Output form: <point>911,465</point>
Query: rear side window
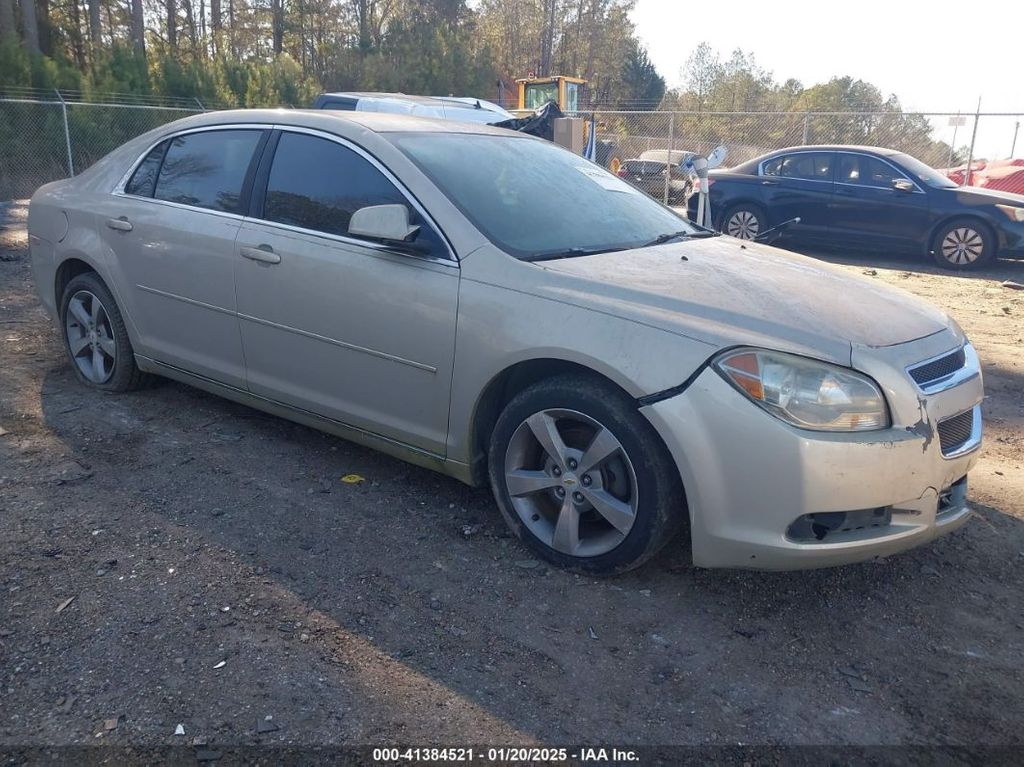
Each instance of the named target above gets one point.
<point>143,180</point>
<point>811,166</point>
<point>207,169</point>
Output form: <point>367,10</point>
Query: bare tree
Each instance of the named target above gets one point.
<point>547,40</point>
<point>277,24</point>
<point>75,34</point>
<point>7,19</point>
<point>44,26</point>
<point>95,30</point>
<point>190,24</point>
<point>138,28</point>
<point>29,27</point>
<point>172,23</point>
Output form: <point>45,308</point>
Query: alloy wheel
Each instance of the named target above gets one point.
<point>962,245</point>
<point>90,337</point>
<point>743,225</point>
<point>571,482</point>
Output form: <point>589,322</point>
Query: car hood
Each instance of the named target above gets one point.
<point>981,196</point>
<point>726,293</point>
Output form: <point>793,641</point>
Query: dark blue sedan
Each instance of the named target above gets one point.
<point>866,197</point>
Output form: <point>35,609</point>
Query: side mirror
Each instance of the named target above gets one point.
<point>383,222</point>
<point>903,185</point>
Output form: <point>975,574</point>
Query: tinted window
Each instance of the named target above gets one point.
<point>318,184</point>
<point>345,105</point>
<point>207,169</point>
<point>532,198</point>
<point>813,166</point>
<point>928,175</point>
<point>144,178</point>
<point>867,171</point>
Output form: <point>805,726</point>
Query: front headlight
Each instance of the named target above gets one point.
<point>1013,212</point>
<point>805,392</point>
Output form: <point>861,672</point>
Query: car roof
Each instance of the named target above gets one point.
<point>333,120</point>
<point>748,165</point>
<point>834,148</point>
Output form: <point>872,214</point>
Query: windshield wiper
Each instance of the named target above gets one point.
<point>568,253</point>
<point>661,239</point>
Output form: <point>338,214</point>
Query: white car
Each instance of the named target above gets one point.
<point>442,107</point>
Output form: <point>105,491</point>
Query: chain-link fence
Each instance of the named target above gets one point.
<point>43,139</point>
<point>942,140</point>
<point>50,135</point>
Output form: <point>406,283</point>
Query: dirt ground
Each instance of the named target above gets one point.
<point>170,558</point>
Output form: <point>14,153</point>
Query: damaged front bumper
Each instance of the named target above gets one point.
<point>765,495</point>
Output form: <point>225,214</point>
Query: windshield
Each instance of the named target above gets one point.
<point>539,94</point>
<point>530,197</point>
<point>922,172</point>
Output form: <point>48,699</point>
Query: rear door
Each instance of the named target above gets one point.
<point>172,230</point>
<point>868,208</point>
<point>354,330</point>
<point>799,185</point>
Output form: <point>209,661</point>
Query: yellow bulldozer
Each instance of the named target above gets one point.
<point>567,93</point>
<point>535,92</point>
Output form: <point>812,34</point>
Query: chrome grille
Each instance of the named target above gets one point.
<point>938,368</point>
<point>956,431</point>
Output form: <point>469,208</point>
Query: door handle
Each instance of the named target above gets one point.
<point>120,224</point>
<point>769,183</point>
<point>262,253</point>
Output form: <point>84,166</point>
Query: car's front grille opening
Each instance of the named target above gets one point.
<point>819,526</point>
<point>956,432</point>
<point>953,497</point>
<point>939,368</point>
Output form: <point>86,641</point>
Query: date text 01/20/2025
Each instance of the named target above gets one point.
<point>503,754</point>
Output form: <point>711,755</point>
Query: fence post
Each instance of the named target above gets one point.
<point>807,127</point>
<point>200,103</point>
<point>67,133</point>
<point>668,154</point>
<point>974,135</point>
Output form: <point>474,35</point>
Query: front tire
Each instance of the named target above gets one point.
<point>95,336</point>
<point>963,244</point>
<point>744,222</point>
<point>582,478</point>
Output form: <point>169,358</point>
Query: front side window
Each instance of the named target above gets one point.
<point>867,171</point>
<point>143,180</point>
<point>809,166</point>
<point>531,198</point>
<point>924,173</point>
<point>207,169</point>
<point>317,184</point>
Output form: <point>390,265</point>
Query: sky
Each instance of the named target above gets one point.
<point>918,50</point>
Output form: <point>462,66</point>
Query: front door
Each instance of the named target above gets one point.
<point>343,327</point>
<point>867,206</point>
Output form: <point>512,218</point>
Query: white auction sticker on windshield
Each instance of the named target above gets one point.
<point>605,180</point>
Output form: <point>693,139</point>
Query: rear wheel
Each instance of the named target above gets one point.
<point>95,336</point>
<point>582,479</point>
<point>963,244</point>
<point>744,222</point>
